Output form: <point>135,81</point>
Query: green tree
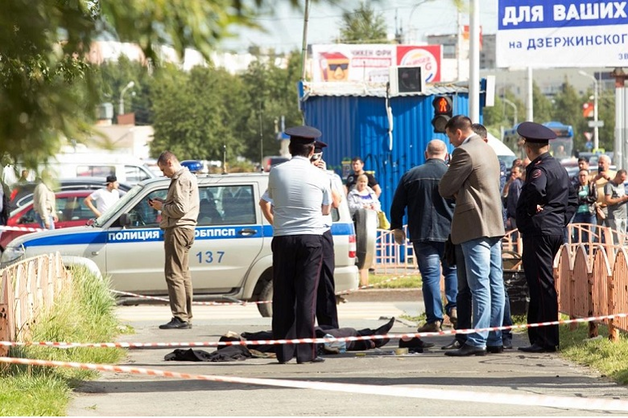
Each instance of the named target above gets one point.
<point>542,106</point>
<point>47,91</point>
<point>363,26</point>
<point>196,113</point>
<point>567,109</point>
<point>271,94</point>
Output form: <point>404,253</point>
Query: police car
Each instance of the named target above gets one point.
<point>231,256</point>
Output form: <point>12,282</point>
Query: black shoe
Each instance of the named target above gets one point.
<point>314,360</point>
<point>415,345</point>
<point>466,351</point>
<point>176,323</point>
<point>494,349</point>
<point>455,344</point>
<point>385,329</point>
<point>508,344</point>
<point>535,348</point>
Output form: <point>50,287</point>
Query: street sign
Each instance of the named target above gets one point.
<point>561,33</point>
<point>596,124</point>
<point>588,145</point>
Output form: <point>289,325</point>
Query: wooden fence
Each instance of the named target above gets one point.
<point>28,288</point>
<point>590,271</point>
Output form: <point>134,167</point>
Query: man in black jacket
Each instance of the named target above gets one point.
<point>429,225</point>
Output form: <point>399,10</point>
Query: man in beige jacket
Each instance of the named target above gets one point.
<point>44,202</point>
<point>477,226</point>
<point>179,212</point>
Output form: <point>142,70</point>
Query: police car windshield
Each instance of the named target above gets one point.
<point>112,211</point>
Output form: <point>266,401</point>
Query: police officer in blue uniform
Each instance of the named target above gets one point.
<point>301,195</point>
<point>545,207</point>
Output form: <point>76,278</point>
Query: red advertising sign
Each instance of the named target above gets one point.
<point>429,57</point>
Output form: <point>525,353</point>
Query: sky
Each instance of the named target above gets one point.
<point>285,28</point>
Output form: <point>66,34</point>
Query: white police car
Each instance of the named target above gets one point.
<point>231,256</point>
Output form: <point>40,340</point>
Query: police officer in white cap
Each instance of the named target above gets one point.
<point>301,195</point>
<point>547,203</point>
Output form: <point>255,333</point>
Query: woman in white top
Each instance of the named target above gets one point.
<point>362,196</point>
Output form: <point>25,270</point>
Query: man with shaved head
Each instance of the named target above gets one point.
<point>429,225</point>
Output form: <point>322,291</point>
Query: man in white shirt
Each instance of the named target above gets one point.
<point>104,198</point>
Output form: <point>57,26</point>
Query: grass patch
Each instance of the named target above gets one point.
<point>406,282</point>
<point>609,358</point>
<point>83,313</point>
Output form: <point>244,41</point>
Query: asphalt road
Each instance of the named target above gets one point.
<point>372,383</point>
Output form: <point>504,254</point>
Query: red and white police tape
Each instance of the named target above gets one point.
<point>19,228</point>
<point>258,302</point>
<point>397,391</point>
<point>302,340</point>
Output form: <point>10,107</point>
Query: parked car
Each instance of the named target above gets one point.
<point>271,161</point>
<point>71,211</point>
<point>231,256</point>
<point>23,194</point>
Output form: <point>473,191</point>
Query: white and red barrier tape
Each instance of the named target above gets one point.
<point>19,228</point>
<point>302,340</point>
<point>258,302</point>
<point>397,391</point>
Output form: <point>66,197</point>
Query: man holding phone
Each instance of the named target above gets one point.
<point>179,212</point>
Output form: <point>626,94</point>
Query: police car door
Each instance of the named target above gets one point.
<point>135,252</point>
<point>228,237</point>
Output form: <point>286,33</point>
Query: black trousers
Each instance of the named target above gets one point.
<point>297,263</point>
<point>326,310</point>
<point>538,257</point>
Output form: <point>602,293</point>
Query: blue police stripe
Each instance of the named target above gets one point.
<point>155,234</point>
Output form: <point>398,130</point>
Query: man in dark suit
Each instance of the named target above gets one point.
<point>547,203</point>
<point>477,226</point>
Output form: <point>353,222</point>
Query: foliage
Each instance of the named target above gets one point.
<point>46,89</point>
<point>543,107</point>
<point>568,107</point>
<point>502,114</point>
<point>110,79</point>
<point>197,113</point>
<point>271,94</point>
<point>83,313</point>
<point>363,26</point>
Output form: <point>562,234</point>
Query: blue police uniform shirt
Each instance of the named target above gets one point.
<point>298,189</point>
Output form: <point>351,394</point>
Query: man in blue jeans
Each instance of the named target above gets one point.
<point>429,225</point>
<point>478,227</point>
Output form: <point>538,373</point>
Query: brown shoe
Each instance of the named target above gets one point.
<point>453,316</point>
<point>431,327</point>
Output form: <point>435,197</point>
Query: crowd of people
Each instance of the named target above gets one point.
<point>458,209</point>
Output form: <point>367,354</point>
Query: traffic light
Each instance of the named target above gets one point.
<point>443,111</point>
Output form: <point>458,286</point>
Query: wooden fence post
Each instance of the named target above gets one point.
<point>7,320</point>
<point>618,293</point>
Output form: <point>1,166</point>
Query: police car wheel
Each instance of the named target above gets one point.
<point>266,293</point>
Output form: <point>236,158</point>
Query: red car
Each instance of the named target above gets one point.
<point>71,211</point>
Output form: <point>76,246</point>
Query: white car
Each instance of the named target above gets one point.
<point>231,256</point>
